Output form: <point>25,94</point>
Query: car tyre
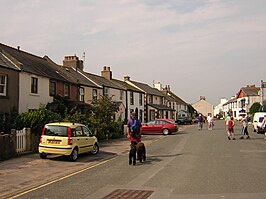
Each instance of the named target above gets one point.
<point>43,155</point>
<point>95,149</point>
<point>165,131</point>
<point>74,155</point>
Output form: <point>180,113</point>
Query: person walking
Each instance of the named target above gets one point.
<point>244,128</point>
<point>210,120</point>
<point>230,129</point>
<point>200,122</point>
<point>133,129</point>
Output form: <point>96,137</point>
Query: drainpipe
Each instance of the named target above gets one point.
<point>262,95</point>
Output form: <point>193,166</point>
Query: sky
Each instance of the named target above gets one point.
<point>208,48</point>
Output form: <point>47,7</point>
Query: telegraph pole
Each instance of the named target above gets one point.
<point>262,95</point>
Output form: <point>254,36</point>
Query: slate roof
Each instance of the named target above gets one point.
<point>178,99</point>
<point>251,91</point>
<point>161,107</point>
<point>101,81</point>
<point>30,63</point>
<point>6,63</point>
<point>126,86</point>
<point>148,89</point>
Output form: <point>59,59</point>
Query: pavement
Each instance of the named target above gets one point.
<point>28,171</point>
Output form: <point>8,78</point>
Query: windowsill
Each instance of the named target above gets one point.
<point>34,94</point>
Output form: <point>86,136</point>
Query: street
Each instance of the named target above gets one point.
<point>189,164</point>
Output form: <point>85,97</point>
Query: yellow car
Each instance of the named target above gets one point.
<point>68,139</point>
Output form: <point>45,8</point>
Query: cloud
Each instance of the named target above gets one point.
<point>210,41</point>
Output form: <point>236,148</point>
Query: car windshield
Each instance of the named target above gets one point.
<point>151,123</point>
<point>260,119</point>
<point>56,131</point>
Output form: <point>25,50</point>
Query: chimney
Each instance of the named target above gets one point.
<point>73,61</point>
<point>126,78</point>
<point>202,98</point>
<point>107,73</point>
<point>18,48</point>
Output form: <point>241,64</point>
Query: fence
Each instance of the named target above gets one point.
<point>23,140</point>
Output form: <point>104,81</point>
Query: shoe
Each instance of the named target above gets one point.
<point>234,138</point>
<point>241,137</point>
<point>248,137</point>
<point>229,138</point>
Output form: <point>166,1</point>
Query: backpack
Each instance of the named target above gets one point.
<point>135,128</point>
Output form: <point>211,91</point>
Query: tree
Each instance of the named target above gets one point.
<point>255,107</point>
<point>103,110</point>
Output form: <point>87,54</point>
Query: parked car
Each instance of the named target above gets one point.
<point>184,120</point>
<point>257,122</point>
<point>68,139</point>
<point>159,126</point>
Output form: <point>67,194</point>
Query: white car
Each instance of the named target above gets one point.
<point>257,121</point>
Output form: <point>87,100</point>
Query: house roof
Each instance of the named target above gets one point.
<point>30,63</point>
<point>6,63</point>
<point>126,86</point>
<point>250,90</point>
<point>230,101</point>
<point>161,107</point>
<point>178,99</point>
<point>148,89</point>
<point>102,81</point>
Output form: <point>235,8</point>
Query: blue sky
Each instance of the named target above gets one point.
<point>205,48</point>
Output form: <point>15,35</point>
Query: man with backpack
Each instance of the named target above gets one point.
<point>134,125</point>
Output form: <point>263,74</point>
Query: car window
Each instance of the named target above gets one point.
<point>78,131</point>
<point>151,123</point>
<point>56,131</point>
<point>86,131</point>
<point>260,119</point>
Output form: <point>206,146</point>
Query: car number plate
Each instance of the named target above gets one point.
<point>53,142</point>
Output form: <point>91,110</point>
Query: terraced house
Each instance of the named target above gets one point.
<point>28,81</point>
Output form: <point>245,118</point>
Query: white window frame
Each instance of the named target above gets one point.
<point>81,94</point>
<point>3,84</point>
<point>31,85</point>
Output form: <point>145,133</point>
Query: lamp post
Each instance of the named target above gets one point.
<point>262,95</point>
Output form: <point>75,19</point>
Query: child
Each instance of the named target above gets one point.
<point>230,128</point>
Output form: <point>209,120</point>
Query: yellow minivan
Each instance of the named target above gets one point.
<point>68,139</point>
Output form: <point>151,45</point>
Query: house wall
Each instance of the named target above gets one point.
<point>136,105</point>
<point>11,99</point>
<point>203,107</point>
<point>88,94</point>
<point>27,100</point>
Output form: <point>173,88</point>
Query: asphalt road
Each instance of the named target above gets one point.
<point>189,164</point>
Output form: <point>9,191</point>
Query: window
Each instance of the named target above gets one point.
<point>121,95</point>
<point>161,100</point>
<point>94,94</point>
<point>150,99</point>
<point>3,84</point>
<point>131,98</point>
<point>81,94</point>
<point>141,115</point>
<point>67,90</point>
<point>52,88</point>
<point>34,85</point>
<point>106,91</point>
<point>140,99</point>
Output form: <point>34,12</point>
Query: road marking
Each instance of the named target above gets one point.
<point>62,178</point>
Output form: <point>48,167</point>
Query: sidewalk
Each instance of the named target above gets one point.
<point>28,171</point>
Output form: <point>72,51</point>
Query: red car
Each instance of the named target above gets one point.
<point>159,126</point>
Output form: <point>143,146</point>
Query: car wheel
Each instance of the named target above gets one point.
<point>95,149</point>
<point>165,131</point>
<point>43,155</point>
<point>74,155</point>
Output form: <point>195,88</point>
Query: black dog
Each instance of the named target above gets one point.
<point>132,153</point>
<point>141,151</point>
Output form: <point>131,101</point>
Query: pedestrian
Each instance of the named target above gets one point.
<point>244,128</point>
<point>200,122</point>
<point>230,129</point>
<point>263,125</point>
<point>210,120</point>
<point>133,130</point>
